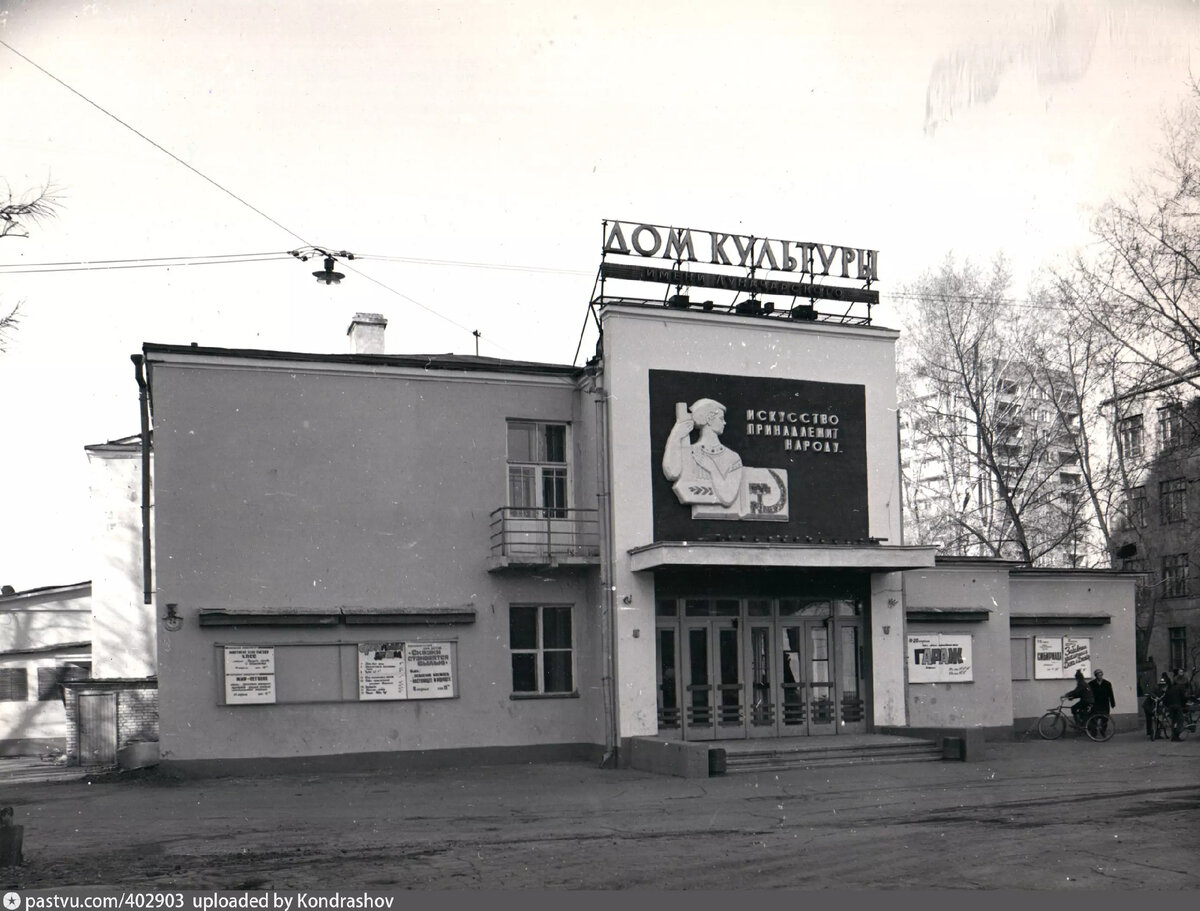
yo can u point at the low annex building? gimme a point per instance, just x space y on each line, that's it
696 536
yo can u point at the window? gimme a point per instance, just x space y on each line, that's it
51 679
1170 428
1135 507
537 469
1130 432
540 639
1177 641
1175 576
1172 500
14 684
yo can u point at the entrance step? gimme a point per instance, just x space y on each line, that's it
824 752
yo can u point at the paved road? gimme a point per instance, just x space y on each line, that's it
1036 815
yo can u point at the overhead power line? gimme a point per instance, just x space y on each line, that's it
165 151
148 262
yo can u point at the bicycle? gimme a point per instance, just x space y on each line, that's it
1054 723
1164 726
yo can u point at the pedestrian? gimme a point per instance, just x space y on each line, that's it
1174 699
1151 703
1083 693
1103 700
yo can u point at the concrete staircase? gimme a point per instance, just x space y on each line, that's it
823 752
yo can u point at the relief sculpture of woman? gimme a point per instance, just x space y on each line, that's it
706 471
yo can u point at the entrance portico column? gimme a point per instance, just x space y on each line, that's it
887 649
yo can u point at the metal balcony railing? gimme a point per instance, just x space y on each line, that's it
523 536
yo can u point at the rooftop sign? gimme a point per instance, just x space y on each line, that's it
689 258
715 249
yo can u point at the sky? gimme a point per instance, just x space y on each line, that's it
468 152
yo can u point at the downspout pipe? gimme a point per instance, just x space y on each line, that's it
139 372
604 497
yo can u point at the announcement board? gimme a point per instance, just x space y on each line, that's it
405 670
429 670
249 675
381 671
754 456
1058 658
939 658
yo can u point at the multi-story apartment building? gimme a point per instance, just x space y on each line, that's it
1157 532
970 465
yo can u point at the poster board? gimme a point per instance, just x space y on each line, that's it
381 671
939 658
249 675
1059 657
405 670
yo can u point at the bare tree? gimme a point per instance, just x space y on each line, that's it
992 463
15 215
1140 282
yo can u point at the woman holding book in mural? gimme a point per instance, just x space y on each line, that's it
706 471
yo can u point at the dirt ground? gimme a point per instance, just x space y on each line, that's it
1035 815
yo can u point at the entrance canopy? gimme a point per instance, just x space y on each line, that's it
750 555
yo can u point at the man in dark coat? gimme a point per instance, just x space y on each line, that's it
1173 701
1103 700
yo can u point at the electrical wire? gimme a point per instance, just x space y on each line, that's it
152 262
162 149
423 261
205 177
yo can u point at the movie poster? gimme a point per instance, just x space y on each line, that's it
1058 658
939 658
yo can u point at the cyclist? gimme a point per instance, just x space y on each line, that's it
1083 693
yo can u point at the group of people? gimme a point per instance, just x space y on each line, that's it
1171 694
1093 697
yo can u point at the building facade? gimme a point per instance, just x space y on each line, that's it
696 536
1157 533
45 641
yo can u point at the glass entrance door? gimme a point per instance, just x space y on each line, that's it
759 667
806 682
714 706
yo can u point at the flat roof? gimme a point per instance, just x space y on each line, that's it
465 362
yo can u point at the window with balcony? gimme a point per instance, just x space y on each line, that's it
1129 431
542 646
1175 576
1172 500
537 470
1170 428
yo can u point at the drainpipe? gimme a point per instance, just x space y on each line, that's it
139 366
612 737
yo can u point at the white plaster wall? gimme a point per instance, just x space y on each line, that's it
986 701
124 642
636 341
297 485
1114 648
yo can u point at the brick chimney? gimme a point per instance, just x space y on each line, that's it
366 333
